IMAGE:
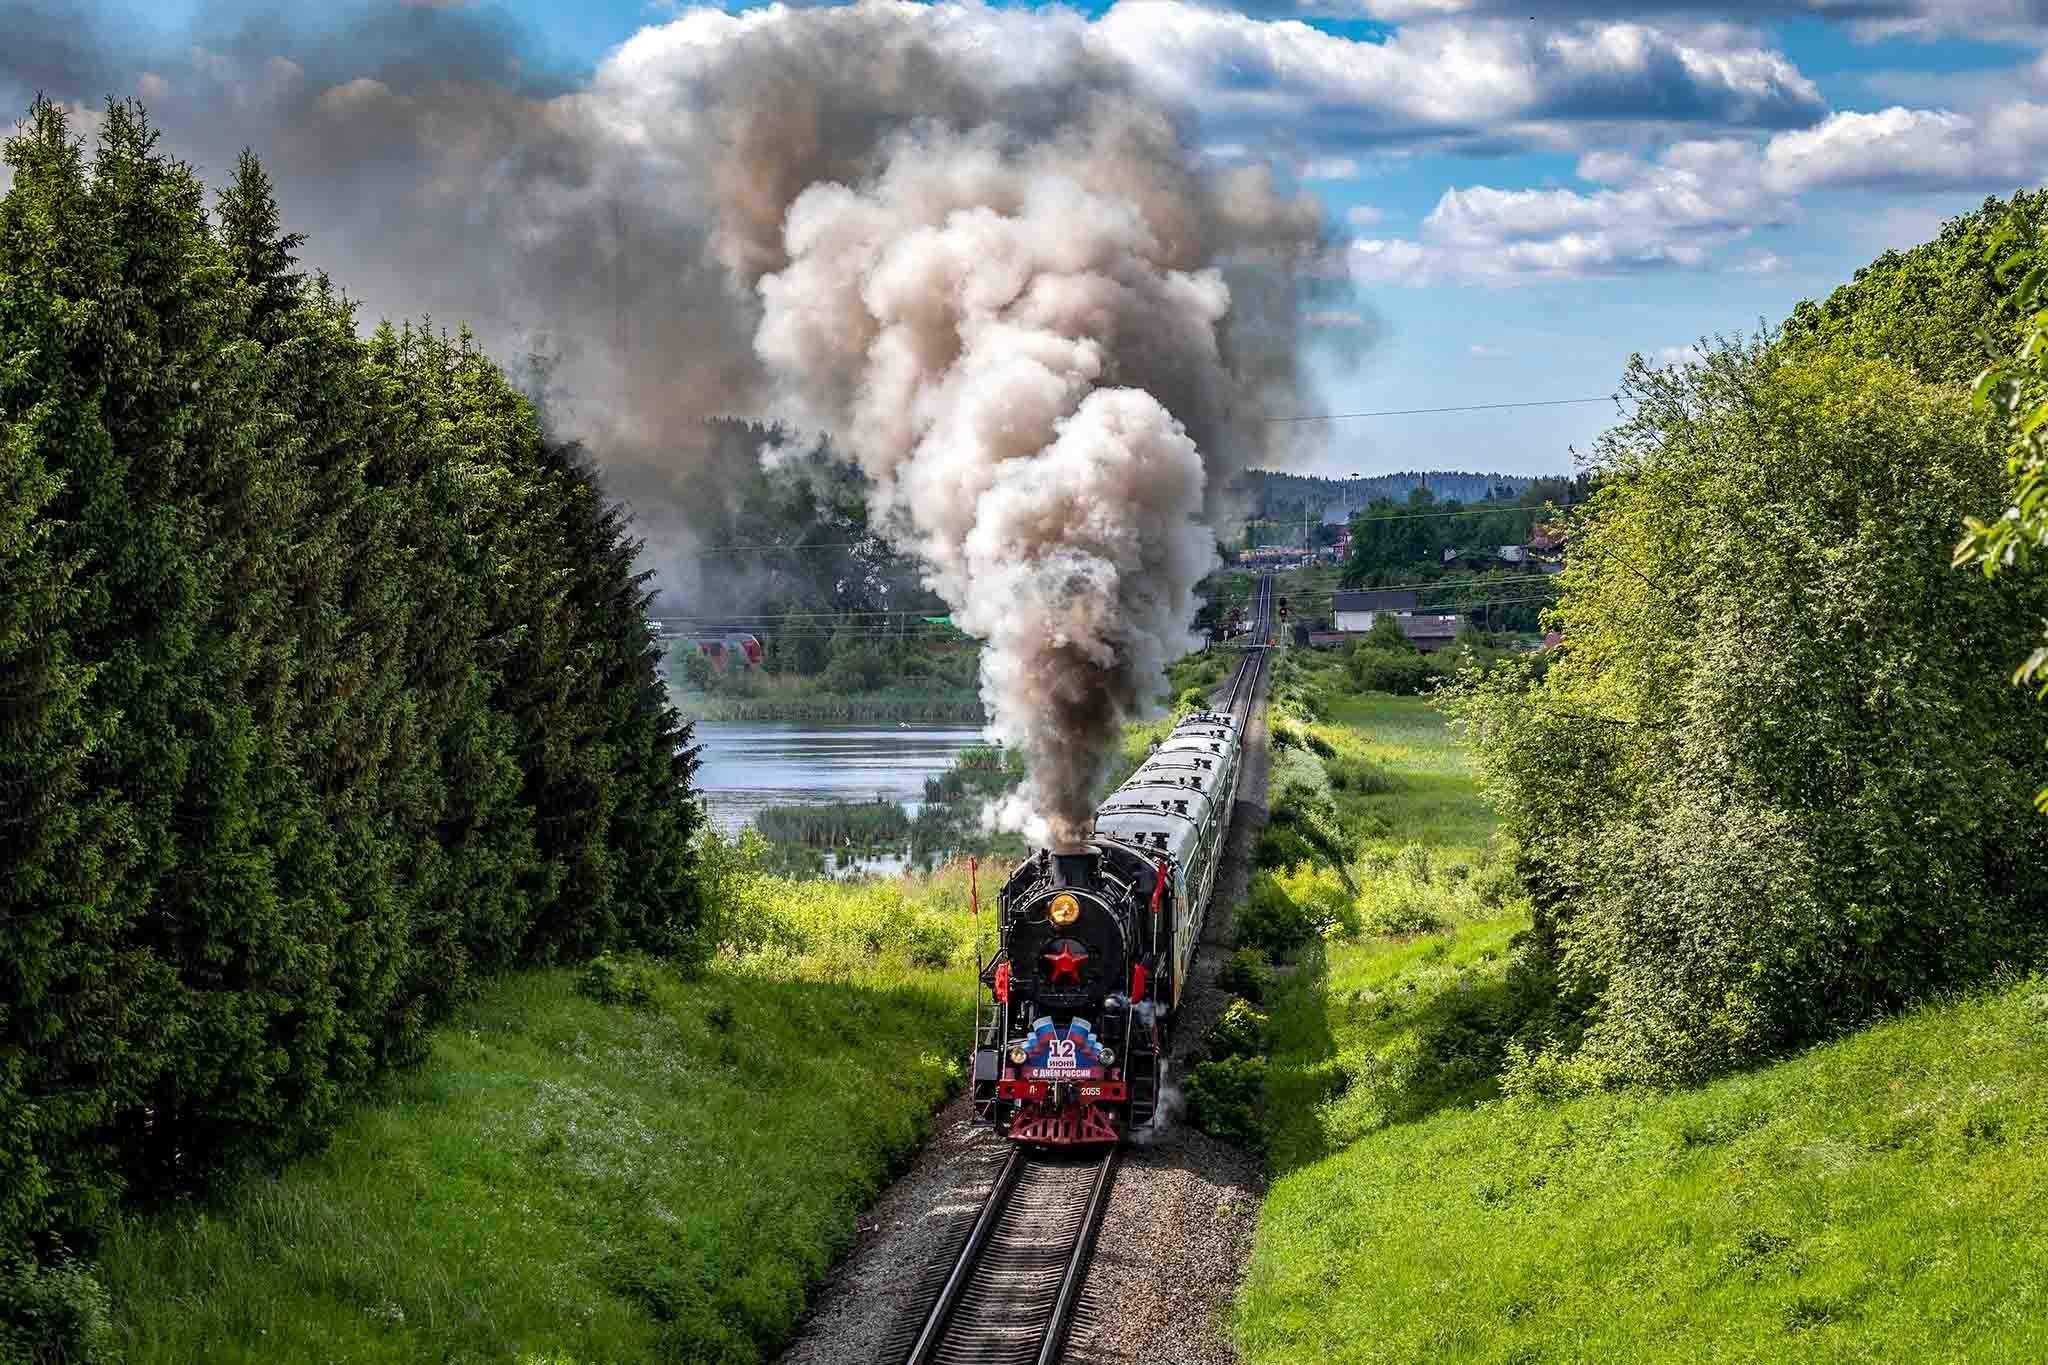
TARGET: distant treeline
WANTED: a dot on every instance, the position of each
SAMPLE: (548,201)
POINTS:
(1306,496)
(325,689)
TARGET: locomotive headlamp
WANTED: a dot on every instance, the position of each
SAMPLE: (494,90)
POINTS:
(1108,1055)
(1064,910)
(1017,1054)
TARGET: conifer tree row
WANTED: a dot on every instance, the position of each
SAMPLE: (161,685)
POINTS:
(326,687)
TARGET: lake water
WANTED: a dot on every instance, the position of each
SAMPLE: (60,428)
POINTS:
(748,764)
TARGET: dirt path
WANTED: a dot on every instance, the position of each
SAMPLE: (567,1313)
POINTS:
(1178,1230)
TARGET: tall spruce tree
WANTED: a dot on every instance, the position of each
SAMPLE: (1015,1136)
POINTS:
(80,1012)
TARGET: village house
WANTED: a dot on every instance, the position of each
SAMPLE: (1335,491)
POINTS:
(1356,611)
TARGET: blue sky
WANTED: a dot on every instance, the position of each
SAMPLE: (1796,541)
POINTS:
(1532,189)
(1456,323)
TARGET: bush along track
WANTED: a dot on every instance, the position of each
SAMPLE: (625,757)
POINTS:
(1375,933)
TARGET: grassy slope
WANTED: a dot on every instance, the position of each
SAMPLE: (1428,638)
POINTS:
(1878,1199)
(571,1180)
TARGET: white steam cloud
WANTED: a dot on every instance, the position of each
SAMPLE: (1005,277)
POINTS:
(976,322)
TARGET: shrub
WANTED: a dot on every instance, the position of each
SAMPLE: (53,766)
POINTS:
(1270,921)
(1227,1099)
(1413,860)
(1247,973)
(696,668)
(1404,673)
(57,1313)
(1296,775)
(1386,634)
(1496,886)
(1358,776)
(1403,915)
(1288,908)
(929,941)
(1240,1031)
(1317,745)
(1748,823)
(856,667)
(613,980)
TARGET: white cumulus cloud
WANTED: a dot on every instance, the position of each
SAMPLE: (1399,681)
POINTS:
(1482,84)
(1686,206)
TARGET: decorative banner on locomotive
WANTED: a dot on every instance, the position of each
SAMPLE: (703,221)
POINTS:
(1056,1055)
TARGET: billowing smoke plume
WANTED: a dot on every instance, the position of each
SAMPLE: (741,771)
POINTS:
(1006,335)
(963,242)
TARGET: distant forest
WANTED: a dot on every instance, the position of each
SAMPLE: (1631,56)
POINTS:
(1301,496)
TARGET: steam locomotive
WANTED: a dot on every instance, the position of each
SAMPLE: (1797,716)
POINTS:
(1095,945)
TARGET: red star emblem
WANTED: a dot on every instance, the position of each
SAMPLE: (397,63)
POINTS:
(1066,962)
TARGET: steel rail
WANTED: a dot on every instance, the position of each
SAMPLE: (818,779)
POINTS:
(936,1323)
(1077,1264)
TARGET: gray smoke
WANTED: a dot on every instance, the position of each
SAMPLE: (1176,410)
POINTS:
(963,242)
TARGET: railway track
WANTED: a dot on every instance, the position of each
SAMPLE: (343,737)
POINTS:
(1014,1282)
(1237,696)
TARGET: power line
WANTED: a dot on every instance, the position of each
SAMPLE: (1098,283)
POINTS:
(1492,578)
(1460,407)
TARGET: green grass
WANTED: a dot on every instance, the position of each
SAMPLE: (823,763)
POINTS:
(604,1183)
(1878,1199)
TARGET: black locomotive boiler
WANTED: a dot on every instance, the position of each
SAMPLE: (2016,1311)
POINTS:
(1095,944)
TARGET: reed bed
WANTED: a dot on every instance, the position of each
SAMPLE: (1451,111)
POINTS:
(963,709)
(880,823)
